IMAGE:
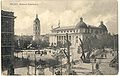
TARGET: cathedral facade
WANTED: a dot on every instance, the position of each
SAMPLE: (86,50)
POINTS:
(80,30)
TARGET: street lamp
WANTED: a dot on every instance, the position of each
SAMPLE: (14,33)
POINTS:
(60,57)
(22,54)
(35,57)
(35,62)
(68,49)
(28,64)
(114,45)
(61,65)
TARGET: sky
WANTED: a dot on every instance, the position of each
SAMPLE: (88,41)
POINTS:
(68,12)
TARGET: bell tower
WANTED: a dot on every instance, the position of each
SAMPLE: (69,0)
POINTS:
(36,28)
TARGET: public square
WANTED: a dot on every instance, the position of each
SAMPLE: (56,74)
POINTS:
(79,67)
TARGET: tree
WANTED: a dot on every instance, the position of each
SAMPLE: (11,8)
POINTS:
(91,42)
(103,41)
(40,44)
(108,41)
(16,44)
(60,44)
(87,46)
(21,42)
(44,44)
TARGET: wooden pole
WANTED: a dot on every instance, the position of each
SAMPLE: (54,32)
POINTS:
(68,49)
(35,62)
(114,44)
(61,65)
(93,66)
(52,70)
(28,65)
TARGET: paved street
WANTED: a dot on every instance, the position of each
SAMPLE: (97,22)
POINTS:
(80,68)
(105,68)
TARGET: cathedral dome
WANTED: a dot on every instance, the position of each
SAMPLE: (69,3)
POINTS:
(102,26)
(81,24)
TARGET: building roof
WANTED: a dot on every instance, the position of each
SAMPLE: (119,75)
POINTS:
(93,27)
(74,27)
(7,14)
(64,28)
(81,24)
(102,26)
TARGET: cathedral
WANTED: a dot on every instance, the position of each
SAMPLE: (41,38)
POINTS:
(80,30)
(36,28)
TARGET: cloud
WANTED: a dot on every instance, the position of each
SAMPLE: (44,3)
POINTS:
(67,11)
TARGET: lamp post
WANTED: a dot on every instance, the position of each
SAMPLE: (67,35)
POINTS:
(92,66)
(68,49)
(35,62)
(93,60)
(22,54)
(61,65)
(60,57)
(28,64)
(114,44)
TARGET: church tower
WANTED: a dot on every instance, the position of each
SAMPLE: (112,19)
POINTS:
(36,28)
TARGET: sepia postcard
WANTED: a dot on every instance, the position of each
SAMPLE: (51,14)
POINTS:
(59,37)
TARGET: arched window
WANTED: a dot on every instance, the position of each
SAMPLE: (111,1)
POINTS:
(76,31)
(57,38)
(85,30)
(69,37)
(62,37)
(100,31)
(96,32)
(76,36)
(91,30)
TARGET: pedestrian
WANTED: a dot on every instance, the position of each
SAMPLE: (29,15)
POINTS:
(112,54)
(97,66)
(73,62)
